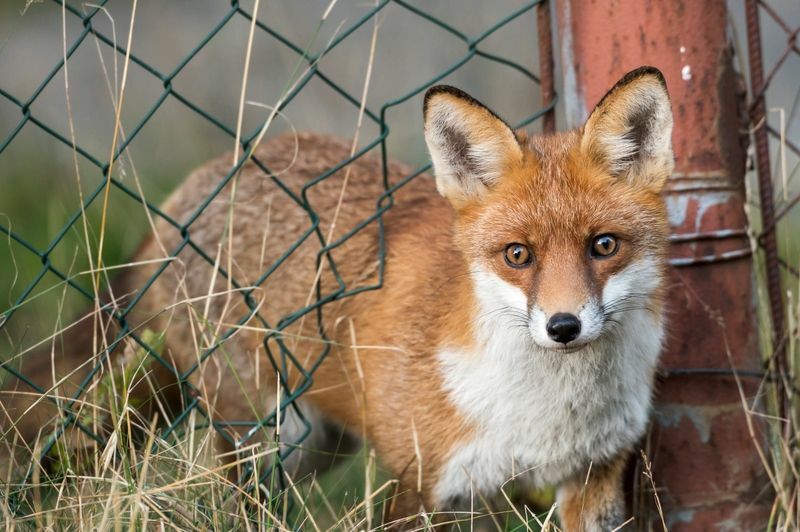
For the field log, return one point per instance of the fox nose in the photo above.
(563, 328)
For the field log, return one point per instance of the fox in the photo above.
(515, 334)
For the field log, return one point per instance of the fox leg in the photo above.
(405, 503)
(595, 503)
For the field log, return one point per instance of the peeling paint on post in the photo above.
(705, 465)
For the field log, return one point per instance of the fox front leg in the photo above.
(596, 502)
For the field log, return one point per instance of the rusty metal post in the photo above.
(768, 239)
(706, 469)
(546, 74)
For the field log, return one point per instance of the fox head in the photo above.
(565, 234)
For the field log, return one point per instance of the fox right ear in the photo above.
(470, 146)
(630, 130)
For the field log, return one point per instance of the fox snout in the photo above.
(566, 327)
(563, 327)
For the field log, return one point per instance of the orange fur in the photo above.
(594, 501)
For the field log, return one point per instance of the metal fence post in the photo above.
(706, 468)
(768, 237)
(546, 73)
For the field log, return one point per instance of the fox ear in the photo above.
(630, 130)
(470, 146)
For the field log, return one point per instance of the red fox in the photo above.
(517, 330)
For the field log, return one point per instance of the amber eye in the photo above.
(518, 256)
(604, 246)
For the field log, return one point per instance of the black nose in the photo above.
(563, 328)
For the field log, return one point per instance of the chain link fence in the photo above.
(773, 123)
(42, 268)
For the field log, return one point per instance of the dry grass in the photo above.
(177, 483)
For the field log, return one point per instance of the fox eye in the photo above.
(604, 246)
(518, 256)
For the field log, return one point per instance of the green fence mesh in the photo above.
(472, 48)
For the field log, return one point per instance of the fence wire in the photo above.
(778, 236)
(108, 171)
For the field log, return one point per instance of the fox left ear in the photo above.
(630, 130)
(471, 147)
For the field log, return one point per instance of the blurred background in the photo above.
(41, 182)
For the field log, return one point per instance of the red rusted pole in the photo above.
(546, 74)
(706, 468)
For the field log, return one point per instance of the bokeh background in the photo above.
(41, 182)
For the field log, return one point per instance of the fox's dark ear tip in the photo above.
(442, 89)
(641, 72)
(632, 76)
(458, 94)
(438, 89)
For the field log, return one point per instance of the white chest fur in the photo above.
(543, 415)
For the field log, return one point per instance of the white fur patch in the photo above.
(540, 413)
(640, 277)
(494, 293)
(619, 149)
